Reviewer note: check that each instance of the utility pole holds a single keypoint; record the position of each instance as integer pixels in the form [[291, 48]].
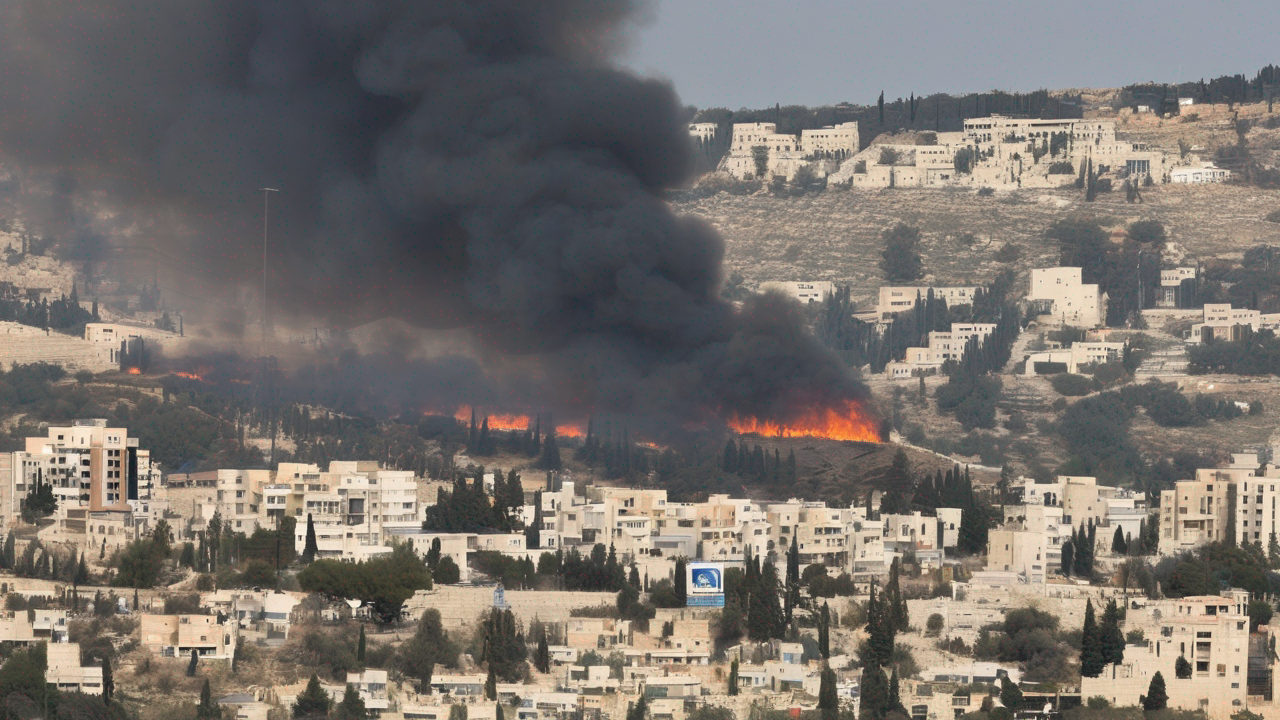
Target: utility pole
[[266, 208]]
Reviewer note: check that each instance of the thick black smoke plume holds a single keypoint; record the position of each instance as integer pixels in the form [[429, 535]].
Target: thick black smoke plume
[[455, 163]]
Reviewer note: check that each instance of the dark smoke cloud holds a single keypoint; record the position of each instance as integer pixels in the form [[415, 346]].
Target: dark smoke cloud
[[453, 163]]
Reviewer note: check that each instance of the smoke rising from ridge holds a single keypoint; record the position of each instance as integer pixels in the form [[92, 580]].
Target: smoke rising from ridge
[[456, 163]]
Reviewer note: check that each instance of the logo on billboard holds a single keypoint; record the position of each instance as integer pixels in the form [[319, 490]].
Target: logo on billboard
[[705, 585]]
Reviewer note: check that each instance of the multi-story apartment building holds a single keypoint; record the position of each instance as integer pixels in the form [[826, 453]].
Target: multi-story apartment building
[[1212, 634], [356, 507], [100, 477], [1240, 499]]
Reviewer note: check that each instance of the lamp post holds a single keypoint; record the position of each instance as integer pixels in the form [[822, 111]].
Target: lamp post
[[266, 208]]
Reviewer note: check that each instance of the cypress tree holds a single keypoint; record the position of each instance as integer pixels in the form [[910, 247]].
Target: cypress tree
[[542, 657], [874, 698], [681, 582], [793, 580], [733, 677], [639, 711], [491, 685], [1010, 695], [828, 700], [1112, 640], [1156, 697], [1118, 545], [310, 550], [195, 659], [1068, 557], [824, 632], [360, 646], [207, 709], [1091, 658], [895, 696]]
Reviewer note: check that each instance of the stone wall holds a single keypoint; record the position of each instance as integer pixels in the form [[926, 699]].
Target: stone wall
[[460, 606]]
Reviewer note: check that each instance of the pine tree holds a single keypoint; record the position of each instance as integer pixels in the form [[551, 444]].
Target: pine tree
[[1156, 697], [1091, 658], [312, 548], [352, 706], [733, 677]]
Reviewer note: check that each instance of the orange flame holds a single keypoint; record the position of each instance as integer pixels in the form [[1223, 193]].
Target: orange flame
[[189, 376], [506, 422], [134, 371], [847, 423]]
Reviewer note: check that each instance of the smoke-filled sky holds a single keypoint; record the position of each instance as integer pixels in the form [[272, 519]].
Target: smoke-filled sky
[[755, 53], [476, 164]]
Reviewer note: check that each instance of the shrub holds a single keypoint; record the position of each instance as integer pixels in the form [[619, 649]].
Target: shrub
[[986, 192], [888, 156], [1071, 385], [1009, 253], [1273, 216], [934, 625], [1062, 167]]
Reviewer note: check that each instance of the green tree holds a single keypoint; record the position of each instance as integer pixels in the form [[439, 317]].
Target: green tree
[[385, 582], [1010, 694], [1156, 697], [207, 709], [760, 159], [733, 677], [828, 700], [765, 619], [313, 702], [311, 549], [1118, 544], [23, 674], [503, 648], [352, 706], [491, 684], [360, 646], [429, 646], [681, 581], [900, 259], [542, 656], [1182, 668], [1091, 656], [1112, 638], [792, 587], [873, 702], [639, 711], [457, 712]]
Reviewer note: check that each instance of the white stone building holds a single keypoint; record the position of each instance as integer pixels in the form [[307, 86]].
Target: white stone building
[[1062, 293]]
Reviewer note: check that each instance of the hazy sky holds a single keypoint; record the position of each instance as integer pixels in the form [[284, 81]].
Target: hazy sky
[[754, 53]]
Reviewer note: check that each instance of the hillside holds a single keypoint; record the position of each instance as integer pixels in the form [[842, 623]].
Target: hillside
[[835, 235]]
